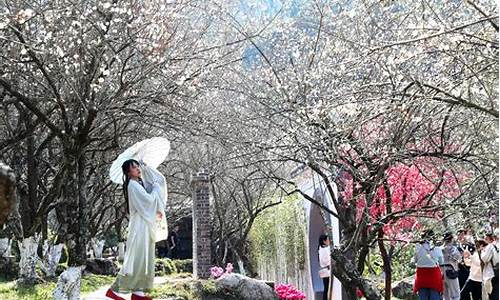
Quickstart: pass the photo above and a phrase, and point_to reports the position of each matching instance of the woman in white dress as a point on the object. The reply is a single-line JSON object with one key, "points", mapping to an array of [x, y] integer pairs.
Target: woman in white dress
{"points": [[145, 192], [324, 263]]}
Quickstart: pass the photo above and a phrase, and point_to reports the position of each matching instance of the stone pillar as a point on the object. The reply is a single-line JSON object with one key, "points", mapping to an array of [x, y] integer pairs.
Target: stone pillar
{"points": [[202, 225]]}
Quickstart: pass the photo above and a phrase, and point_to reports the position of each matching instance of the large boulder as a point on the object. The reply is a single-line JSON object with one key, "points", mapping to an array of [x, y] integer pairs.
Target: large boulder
{"points": [[68, 284], [101, 266], [236, 286], [403, 289]]}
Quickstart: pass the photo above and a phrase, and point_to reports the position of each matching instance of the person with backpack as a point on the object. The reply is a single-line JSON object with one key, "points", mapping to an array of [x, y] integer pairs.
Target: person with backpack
{"points": [[492, 241], [450, 268]]}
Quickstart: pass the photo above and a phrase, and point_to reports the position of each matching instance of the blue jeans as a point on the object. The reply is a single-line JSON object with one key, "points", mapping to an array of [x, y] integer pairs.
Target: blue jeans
{"points": [[428, 294]]}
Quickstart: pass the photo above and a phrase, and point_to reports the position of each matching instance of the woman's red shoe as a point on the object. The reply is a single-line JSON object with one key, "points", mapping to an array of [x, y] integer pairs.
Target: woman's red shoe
{"points": [[112, 295], [137, 297]]}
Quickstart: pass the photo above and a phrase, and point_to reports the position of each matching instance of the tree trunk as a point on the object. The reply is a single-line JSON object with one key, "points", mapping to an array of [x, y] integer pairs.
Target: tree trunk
{"points": [[74, 211], [5, 247], [121, 251], [343, 268], [97, 247], [51, 255], [345, 262], [386, 265], [32, 182], [29, 259]]}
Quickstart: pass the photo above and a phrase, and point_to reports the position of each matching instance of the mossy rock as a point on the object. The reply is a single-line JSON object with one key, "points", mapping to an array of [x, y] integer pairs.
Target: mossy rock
{"points": [[233, 287]]}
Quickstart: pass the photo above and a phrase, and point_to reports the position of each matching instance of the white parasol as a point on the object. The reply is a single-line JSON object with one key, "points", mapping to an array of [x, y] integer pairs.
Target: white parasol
{"points": [[152, 151]]}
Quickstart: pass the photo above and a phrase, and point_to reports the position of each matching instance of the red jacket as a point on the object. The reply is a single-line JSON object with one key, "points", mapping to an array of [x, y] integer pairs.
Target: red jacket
{"points": [[431, 278]]}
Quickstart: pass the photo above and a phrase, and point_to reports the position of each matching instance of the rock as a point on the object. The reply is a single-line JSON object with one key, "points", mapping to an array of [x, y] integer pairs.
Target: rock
{"points": [[403, 289], [101, 266], [245, 288], [68, 284]]}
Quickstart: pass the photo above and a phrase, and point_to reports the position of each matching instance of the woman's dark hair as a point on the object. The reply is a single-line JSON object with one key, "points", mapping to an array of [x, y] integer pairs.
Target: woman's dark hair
{"points": [[322, 240], [125, 169], [481, 242], [427, 236]]}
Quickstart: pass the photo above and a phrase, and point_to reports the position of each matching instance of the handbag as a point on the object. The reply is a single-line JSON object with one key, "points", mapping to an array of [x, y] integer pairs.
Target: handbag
{"points": [[451, 274]]}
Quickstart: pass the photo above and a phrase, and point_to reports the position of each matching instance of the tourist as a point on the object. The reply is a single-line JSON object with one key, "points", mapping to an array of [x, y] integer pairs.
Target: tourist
{"points": [[450, 268], [173, 242], [492, 240], [481, 272], [428, 278], [324, 263], [466, 249], [162, 248], [138, 270]]}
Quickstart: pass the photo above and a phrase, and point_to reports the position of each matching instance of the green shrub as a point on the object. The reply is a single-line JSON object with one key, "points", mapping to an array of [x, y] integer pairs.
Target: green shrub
{"points": [[165, 266], [183, 265], [280, 231]]}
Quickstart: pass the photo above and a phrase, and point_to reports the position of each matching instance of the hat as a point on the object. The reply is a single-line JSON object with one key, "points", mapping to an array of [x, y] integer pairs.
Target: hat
{"points": [[448, 236], [427, 234]]}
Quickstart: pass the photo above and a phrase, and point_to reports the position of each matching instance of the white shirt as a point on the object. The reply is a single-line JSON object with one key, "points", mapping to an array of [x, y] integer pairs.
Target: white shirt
{"points": [[475, 266], [427, 257], [324, 261]]}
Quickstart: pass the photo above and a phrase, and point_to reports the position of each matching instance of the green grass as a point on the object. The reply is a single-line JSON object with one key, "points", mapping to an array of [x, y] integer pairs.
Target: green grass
{"points": [[169, 290], [43, 291], [10, 291], [92, 282]]}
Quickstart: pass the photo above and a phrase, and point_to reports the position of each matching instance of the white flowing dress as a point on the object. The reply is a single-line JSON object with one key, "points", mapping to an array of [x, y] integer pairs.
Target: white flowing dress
{"points": [[144, 230]]}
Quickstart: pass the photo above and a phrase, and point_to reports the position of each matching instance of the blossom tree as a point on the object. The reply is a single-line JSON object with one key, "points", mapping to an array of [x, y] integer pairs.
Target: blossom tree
{"points": [[392, 102]]}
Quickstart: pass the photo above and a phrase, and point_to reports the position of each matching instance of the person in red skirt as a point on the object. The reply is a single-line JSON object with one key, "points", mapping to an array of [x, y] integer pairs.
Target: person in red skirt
{"points": [[429, 278]]}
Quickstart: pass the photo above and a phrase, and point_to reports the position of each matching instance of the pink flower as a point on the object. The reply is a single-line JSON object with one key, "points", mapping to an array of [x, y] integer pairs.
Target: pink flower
{"points": [[216, 272], [359, 293], [288, 292], [229, 268]]}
